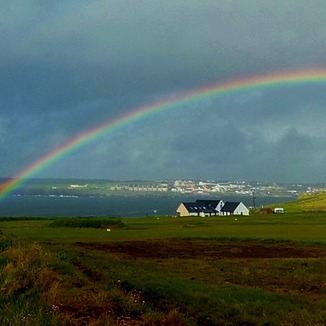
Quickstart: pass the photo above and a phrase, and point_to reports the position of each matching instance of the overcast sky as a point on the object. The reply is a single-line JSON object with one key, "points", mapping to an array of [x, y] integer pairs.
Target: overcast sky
{"points": [[68, 66]]}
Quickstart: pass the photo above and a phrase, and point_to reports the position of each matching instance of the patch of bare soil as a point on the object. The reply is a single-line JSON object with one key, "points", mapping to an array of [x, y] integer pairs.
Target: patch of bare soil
{"points": [[209, 249], [92, 275]]}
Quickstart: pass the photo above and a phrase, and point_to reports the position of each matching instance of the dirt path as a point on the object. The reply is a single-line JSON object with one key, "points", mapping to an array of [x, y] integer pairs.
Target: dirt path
{"points": [[209, 249]]}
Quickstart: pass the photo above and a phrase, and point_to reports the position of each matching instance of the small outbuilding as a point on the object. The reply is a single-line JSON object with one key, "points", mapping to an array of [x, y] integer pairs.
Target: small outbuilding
{"points": [[265, 211]]}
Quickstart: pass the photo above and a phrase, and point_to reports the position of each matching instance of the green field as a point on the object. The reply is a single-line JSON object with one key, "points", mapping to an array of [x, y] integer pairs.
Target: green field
{"points": [[245, 270]]}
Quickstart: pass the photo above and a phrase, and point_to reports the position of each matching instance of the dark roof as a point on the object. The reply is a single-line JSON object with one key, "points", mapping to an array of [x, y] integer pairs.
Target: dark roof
{"points": [[198, 207], [211, 203], [230, 206]]}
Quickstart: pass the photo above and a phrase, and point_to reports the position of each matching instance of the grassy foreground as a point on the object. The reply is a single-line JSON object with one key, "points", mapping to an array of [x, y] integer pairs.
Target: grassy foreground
{"points": [[256, 270]]}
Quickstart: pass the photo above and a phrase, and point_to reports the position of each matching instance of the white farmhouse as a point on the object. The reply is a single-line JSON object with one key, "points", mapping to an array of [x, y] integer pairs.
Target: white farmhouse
{"points": [[200, 208], [234, 208]]}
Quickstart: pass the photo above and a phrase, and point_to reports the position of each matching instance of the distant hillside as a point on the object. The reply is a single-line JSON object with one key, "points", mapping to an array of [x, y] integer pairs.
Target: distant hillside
{"points": [[307, 203]]}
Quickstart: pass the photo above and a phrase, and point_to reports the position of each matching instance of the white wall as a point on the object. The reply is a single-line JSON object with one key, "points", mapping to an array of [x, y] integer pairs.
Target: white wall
{"points": [[241, 210]]}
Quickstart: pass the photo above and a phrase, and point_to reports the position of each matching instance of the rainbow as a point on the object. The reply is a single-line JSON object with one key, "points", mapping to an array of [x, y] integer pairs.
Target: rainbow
{"points": [[275, 79]]}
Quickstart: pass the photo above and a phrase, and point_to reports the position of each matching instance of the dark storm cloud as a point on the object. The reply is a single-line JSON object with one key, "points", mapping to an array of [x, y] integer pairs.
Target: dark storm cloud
{"points": [[66, 66]]}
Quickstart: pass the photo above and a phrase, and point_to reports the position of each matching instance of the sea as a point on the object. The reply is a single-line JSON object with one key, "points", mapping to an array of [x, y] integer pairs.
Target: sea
{"points": [[111, 206]]}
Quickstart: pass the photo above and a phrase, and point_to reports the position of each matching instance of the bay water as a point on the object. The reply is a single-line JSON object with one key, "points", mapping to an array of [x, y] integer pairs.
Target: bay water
{"points": [[113, 206]]}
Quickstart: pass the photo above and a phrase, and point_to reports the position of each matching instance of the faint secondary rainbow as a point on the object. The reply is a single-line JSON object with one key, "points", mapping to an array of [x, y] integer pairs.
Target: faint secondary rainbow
{"points": [[275, 79]]}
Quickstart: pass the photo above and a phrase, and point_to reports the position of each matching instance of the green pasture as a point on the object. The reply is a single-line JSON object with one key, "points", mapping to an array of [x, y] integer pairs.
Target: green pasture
{"points": [[308, 227], [149, 271], [307, 203]]}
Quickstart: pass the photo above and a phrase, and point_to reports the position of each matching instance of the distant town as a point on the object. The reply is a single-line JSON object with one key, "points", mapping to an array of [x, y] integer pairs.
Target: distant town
{"points": [[166, 187], [222, 187]]}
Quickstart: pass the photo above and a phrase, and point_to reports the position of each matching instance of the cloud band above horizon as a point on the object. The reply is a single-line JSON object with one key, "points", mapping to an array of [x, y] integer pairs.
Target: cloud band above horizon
{"points": [[275, 79]]}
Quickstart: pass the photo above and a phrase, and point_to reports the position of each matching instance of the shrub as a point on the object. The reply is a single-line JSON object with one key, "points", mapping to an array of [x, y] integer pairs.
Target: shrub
{"points": [[82, 222], [4, 244]]}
